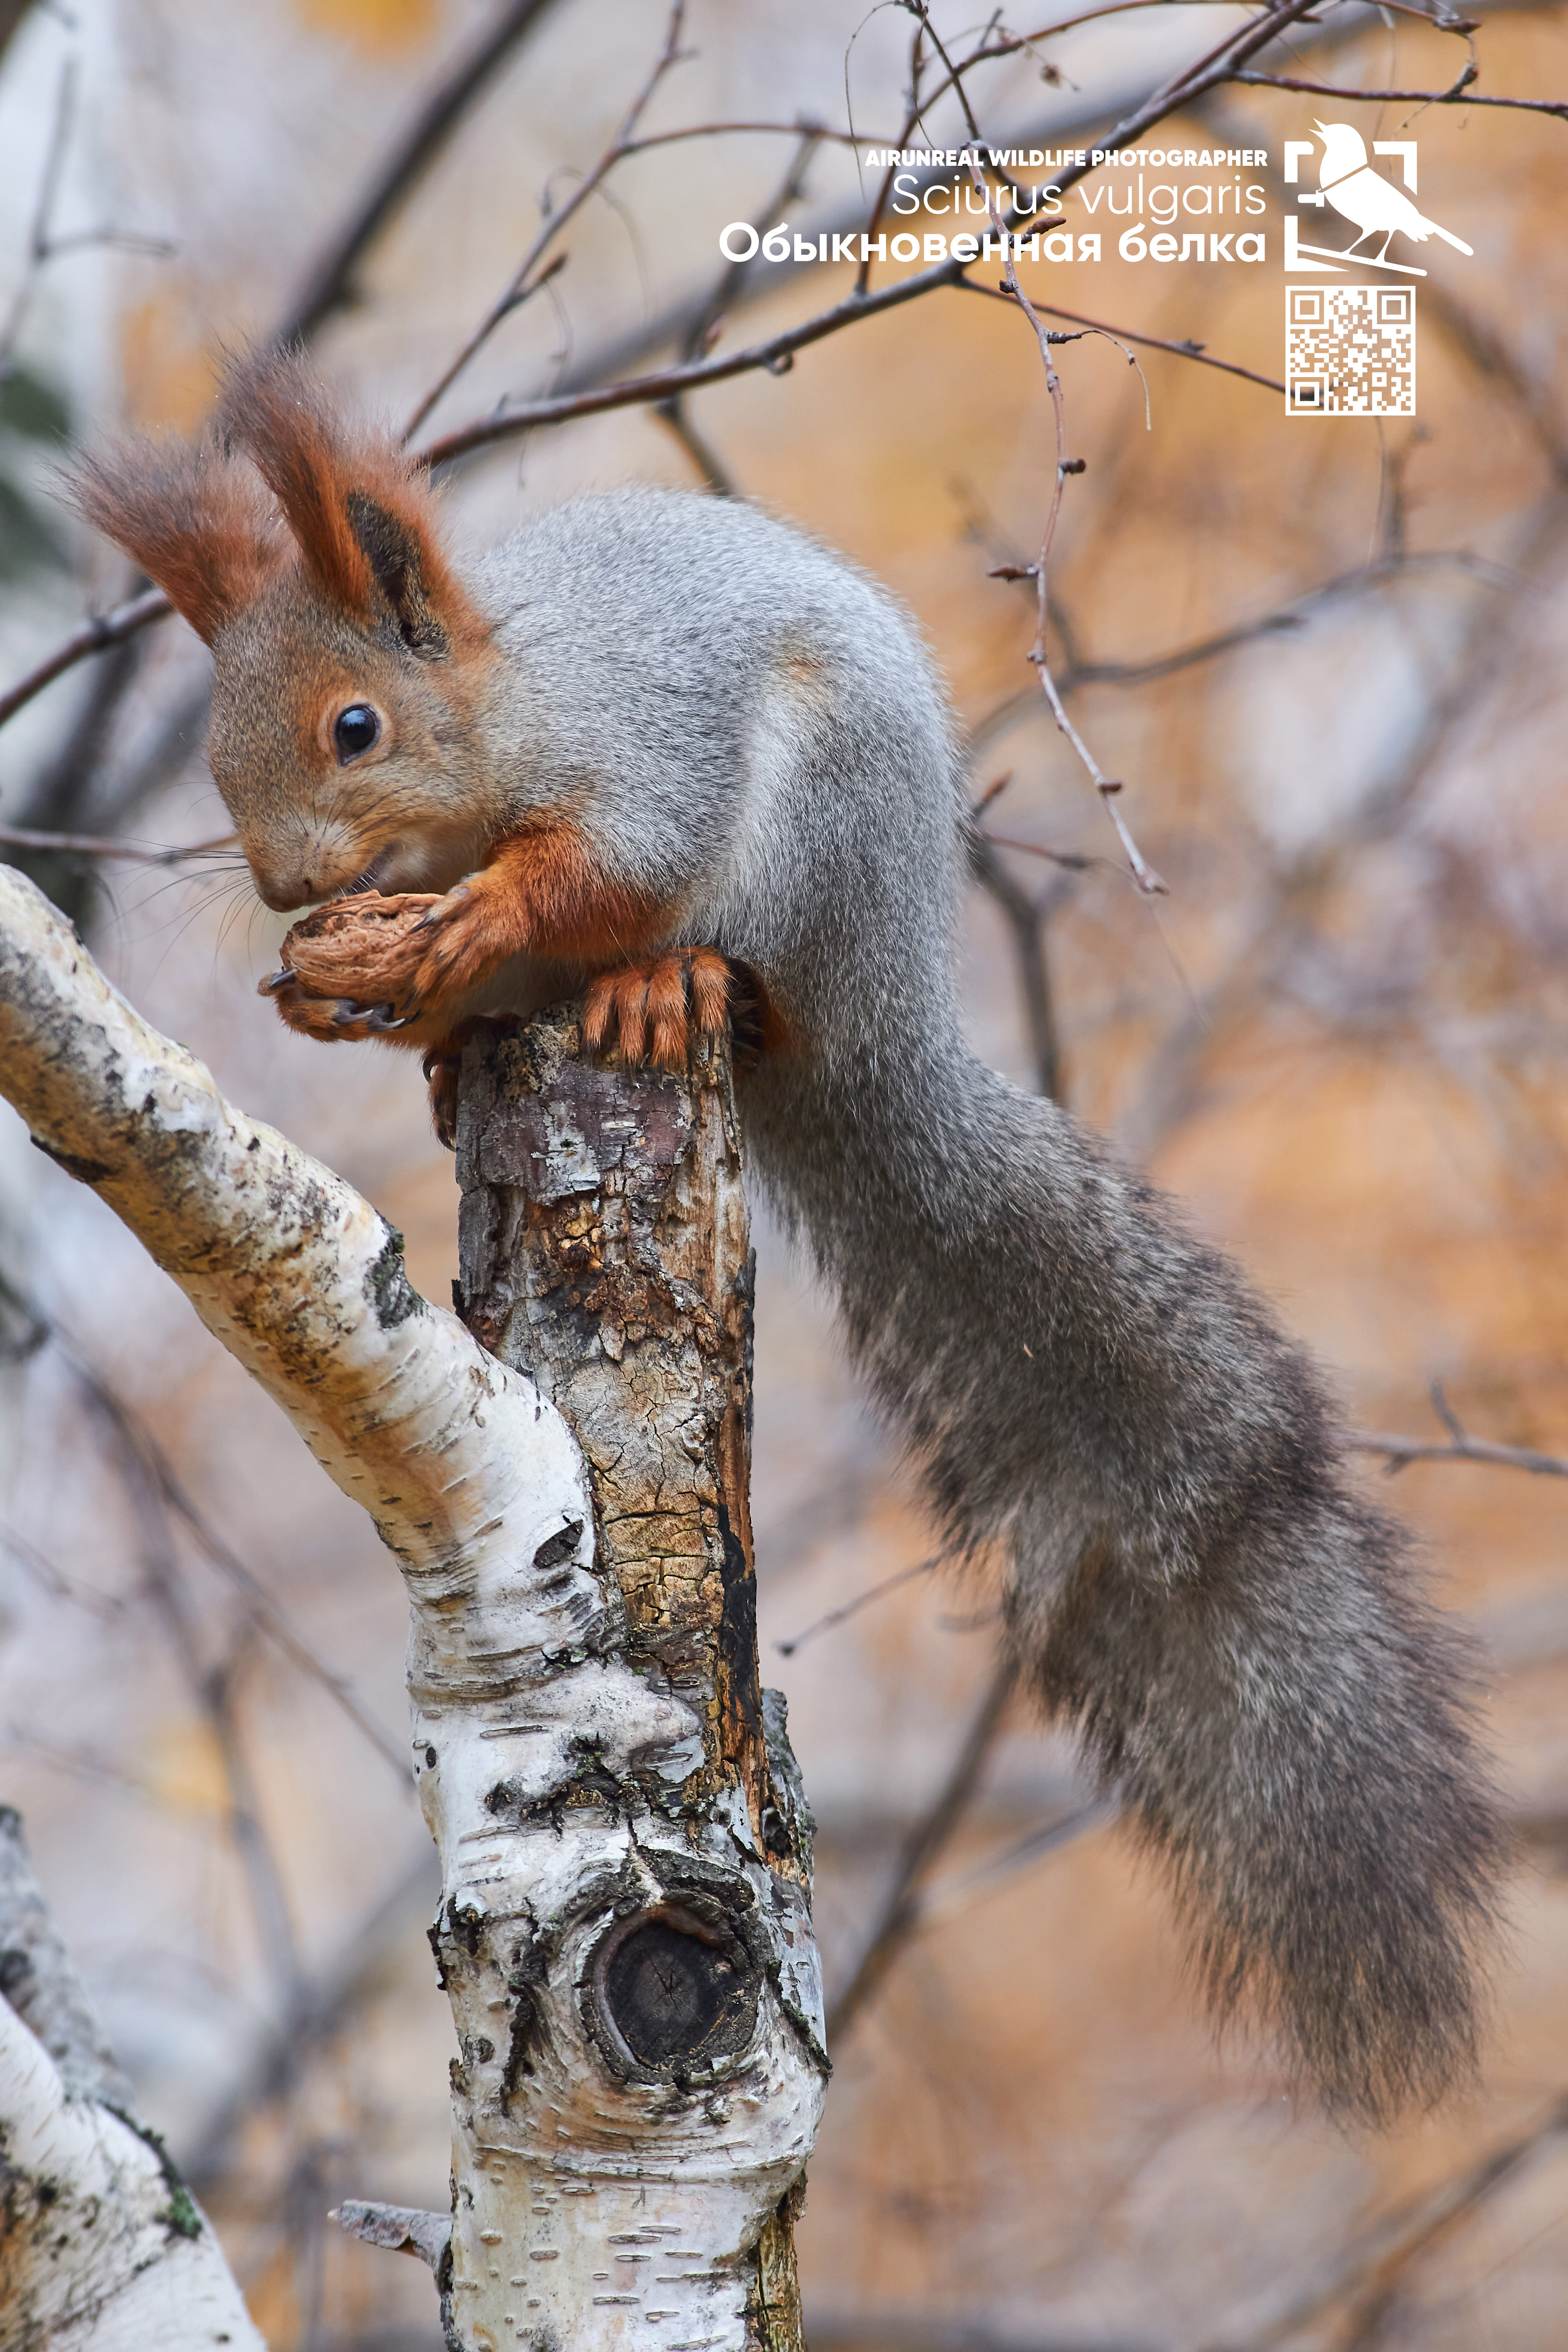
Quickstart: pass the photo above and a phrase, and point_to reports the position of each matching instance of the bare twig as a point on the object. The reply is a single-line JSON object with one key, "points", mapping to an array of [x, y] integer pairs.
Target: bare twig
{"points": [[212, 1688], [707, 322], [519, 289], [1460, 94], [1072, 859], [1461, 1447], [928, 1837], [135, 1441], [43, 245], [848, 1609], [777, 356], [1184, 351], [138, 1442], [331, 287], [1026, 917], [1484, 347], [91, 637], [1107, 787], [957, 1888], [1208, 72], [325, 2004], [1372, 2263]]}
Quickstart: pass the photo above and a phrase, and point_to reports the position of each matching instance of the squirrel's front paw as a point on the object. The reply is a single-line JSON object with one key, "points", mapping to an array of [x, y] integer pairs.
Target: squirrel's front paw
{"points": [[351, 969], [411, 956], [654, 1012], [333, 1019]]}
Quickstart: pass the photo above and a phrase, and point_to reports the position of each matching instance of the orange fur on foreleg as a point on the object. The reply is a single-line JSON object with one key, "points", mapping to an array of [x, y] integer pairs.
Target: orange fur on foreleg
{"points": [[407, 961]]}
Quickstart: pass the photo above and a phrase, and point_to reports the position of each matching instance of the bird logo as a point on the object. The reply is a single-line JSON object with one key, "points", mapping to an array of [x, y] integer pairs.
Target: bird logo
{"points": [[1372, 203]]}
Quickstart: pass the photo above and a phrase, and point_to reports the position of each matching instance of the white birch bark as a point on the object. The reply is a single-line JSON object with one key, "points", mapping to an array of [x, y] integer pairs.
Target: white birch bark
{"points": [[101, 2244], [600, 1831]]}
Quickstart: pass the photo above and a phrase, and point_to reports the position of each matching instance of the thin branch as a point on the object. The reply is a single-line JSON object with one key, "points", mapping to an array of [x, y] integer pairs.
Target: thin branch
{"points": [[331, 287], [1026, 916], [212, 1689], [137, 1439], [270, 1616], [518, 288], [1107, 787], [958, 1888], [930, 1837], [1080, 673], [325, 2004], [848, 1609], [92, 636], [1371, 2262], [778, 352], [55, 1581], [1072, 859], [1460, 1447], [707, 322], [331, 291], [1208, 72], [777, 356], [1185, 350], [43, 245], [1400, 1450], [1486, 351], [710, 468], [1460, 94]]}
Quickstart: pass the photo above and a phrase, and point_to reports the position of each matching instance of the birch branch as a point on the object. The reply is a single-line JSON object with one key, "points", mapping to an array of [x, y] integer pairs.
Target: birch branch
{"points": [[624, 1930], [101, 2243]]}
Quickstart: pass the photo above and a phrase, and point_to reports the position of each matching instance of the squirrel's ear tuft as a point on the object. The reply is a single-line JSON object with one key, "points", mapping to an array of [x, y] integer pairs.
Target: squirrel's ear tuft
{"points": [[362, 512], [196, 525], [396, 549]]}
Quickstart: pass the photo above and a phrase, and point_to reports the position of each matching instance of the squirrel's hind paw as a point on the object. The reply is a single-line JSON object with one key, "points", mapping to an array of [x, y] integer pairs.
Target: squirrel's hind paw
{"points": [[654, 1012], [443, 1066]]}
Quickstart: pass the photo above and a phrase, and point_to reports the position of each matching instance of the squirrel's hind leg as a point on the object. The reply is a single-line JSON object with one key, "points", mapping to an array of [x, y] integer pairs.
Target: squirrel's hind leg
{"points": [[442, 1067]]}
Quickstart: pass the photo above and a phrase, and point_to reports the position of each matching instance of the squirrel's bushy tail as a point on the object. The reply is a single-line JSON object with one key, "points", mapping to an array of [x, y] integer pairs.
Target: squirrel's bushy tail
{"points": [[1191, 1576]]}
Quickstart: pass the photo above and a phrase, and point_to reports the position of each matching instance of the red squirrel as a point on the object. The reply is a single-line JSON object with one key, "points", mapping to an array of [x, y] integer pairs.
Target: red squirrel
{"points": [[658, 749]]}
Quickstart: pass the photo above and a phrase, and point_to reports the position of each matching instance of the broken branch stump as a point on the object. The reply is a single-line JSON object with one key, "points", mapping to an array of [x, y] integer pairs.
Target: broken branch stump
{"points": [[626, 1938]]}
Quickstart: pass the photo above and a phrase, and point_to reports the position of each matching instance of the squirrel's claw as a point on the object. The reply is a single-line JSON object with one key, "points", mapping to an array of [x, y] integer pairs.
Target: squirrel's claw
{"points": [[275, 983], [655, 1013], [444, 910]]}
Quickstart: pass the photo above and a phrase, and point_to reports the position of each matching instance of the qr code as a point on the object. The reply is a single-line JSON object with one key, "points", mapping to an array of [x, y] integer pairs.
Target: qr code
{"points": [[1349, 351]]}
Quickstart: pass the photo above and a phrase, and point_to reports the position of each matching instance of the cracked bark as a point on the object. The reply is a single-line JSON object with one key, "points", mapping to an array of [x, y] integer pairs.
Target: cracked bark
{"points": [[630, 1949], [624, 1930]]}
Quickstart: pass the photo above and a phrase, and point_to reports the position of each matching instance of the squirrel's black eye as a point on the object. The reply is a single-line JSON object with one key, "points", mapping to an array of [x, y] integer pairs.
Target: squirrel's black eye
{"points": [[355, 730]]}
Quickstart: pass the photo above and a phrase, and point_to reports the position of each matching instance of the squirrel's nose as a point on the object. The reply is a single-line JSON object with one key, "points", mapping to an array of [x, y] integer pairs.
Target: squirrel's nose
{"points": [[284, 893]]}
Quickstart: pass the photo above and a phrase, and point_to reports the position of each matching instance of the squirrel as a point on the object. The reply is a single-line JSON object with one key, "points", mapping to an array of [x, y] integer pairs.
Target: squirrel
{"points": [[658, 750]]}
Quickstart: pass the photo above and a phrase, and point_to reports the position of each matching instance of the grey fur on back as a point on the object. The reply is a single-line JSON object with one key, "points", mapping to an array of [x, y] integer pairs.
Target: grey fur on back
{"points": [[744, 722]]}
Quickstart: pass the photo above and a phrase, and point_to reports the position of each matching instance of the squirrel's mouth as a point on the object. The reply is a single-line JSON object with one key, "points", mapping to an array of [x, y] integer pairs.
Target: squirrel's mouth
{"points": [[370, 879]]}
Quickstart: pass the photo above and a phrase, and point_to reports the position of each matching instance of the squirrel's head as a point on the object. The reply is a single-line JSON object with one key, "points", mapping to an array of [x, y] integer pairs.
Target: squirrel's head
{"points": [[347, 661]]}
